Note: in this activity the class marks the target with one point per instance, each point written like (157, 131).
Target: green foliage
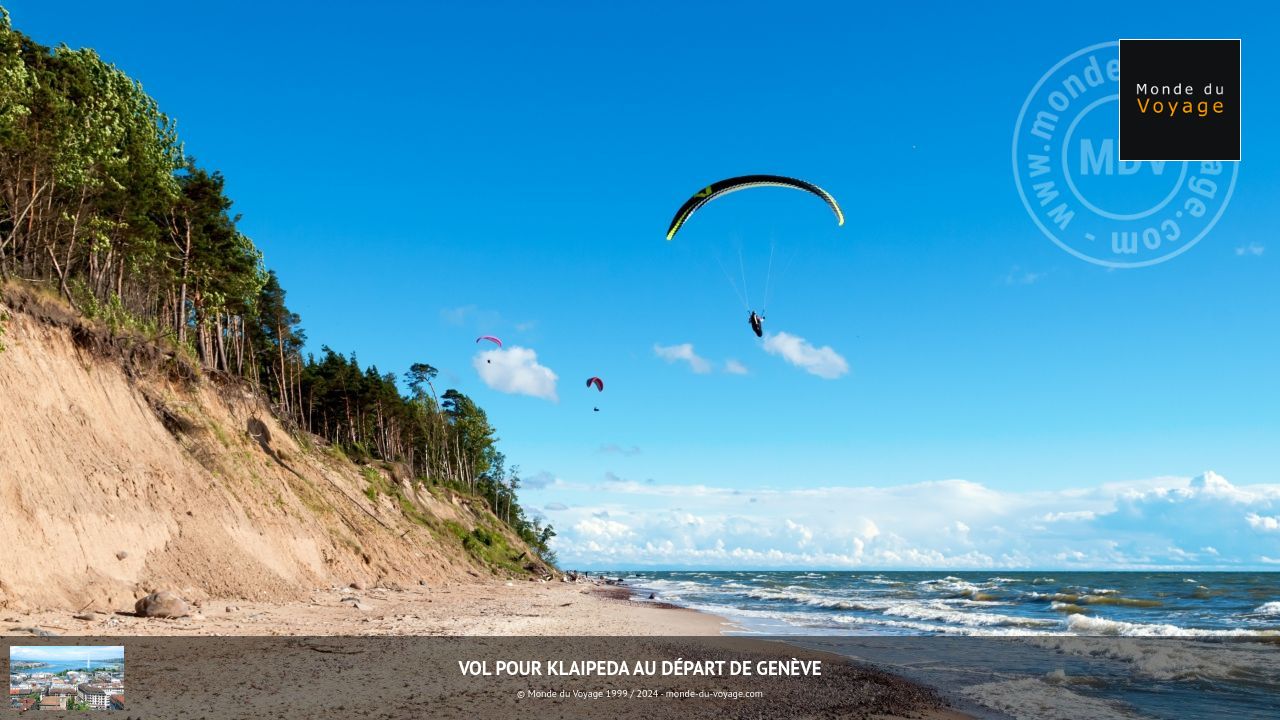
(99, 200)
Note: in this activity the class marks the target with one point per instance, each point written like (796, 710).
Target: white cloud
(1253, 249)
(470, 315)
(1019, 276)
(602, 528)
(515, 370)
(1068, 516)
(955, 524)
(823, 362)
(684, 353)
(64, 653)
(541, 480)
(733, 367)
(1260, 522)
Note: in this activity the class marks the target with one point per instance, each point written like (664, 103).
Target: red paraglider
(597, 382)
(491, 339)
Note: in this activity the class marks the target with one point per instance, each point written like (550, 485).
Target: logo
(1101, 209)
(1180, 100)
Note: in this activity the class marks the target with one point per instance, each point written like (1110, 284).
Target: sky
(422, 175)
(66, 653)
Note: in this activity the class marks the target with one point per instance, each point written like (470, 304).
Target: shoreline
(481, 608)
(584, 613)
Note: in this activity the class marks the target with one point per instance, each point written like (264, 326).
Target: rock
(359, 585)
(90, 616)
(233, 608)
(162, 604)
(423, 583)
(653, 596)
(122, 555)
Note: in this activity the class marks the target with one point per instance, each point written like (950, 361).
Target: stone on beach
(162, 604)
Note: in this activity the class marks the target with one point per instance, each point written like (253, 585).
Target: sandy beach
(502, 608)
(313, 641)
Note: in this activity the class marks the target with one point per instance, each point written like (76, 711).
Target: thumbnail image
(66, 677)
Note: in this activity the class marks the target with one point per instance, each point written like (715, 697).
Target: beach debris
(423, 583)
(37, 631)
(336, 649)
(88, 616)
(356, 603)
(122, 555)
(162, 604)
(233, 608)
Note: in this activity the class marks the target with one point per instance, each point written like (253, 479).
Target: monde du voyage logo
(1169, 185)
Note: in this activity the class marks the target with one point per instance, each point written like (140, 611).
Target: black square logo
(1179, 99)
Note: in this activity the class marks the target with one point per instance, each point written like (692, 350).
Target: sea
(57, 666)
(1024, 645)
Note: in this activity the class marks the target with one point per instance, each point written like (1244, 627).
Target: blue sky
(65, 653)
(420, 175)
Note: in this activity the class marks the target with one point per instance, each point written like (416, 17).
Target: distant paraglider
(491, 339)
(724, 187)
(598, 384)
(757, 324)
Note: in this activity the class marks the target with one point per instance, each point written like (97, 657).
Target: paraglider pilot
(757, 324)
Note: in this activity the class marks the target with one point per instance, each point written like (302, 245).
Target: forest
(101, 203)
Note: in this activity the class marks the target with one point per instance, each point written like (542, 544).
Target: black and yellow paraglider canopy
(724, 187)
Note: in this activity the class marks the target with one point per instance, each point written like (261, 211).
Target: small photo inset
(66, 677)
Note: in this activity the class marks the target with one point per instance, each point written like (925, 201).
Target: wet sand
(377, 644)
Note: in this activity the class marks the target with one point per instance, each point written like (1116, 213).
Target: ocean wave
(940, 612)
(1034, 699)
(794, 594)
(1087, 625)
(957, 587)
(881, 580)
(1242, 662)
(925, 628)
(1271, 608)
(1117, 600)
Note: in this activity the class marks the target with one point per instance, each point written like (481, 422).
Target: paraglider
(491, 339)
(724, 187)
(598, 384)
